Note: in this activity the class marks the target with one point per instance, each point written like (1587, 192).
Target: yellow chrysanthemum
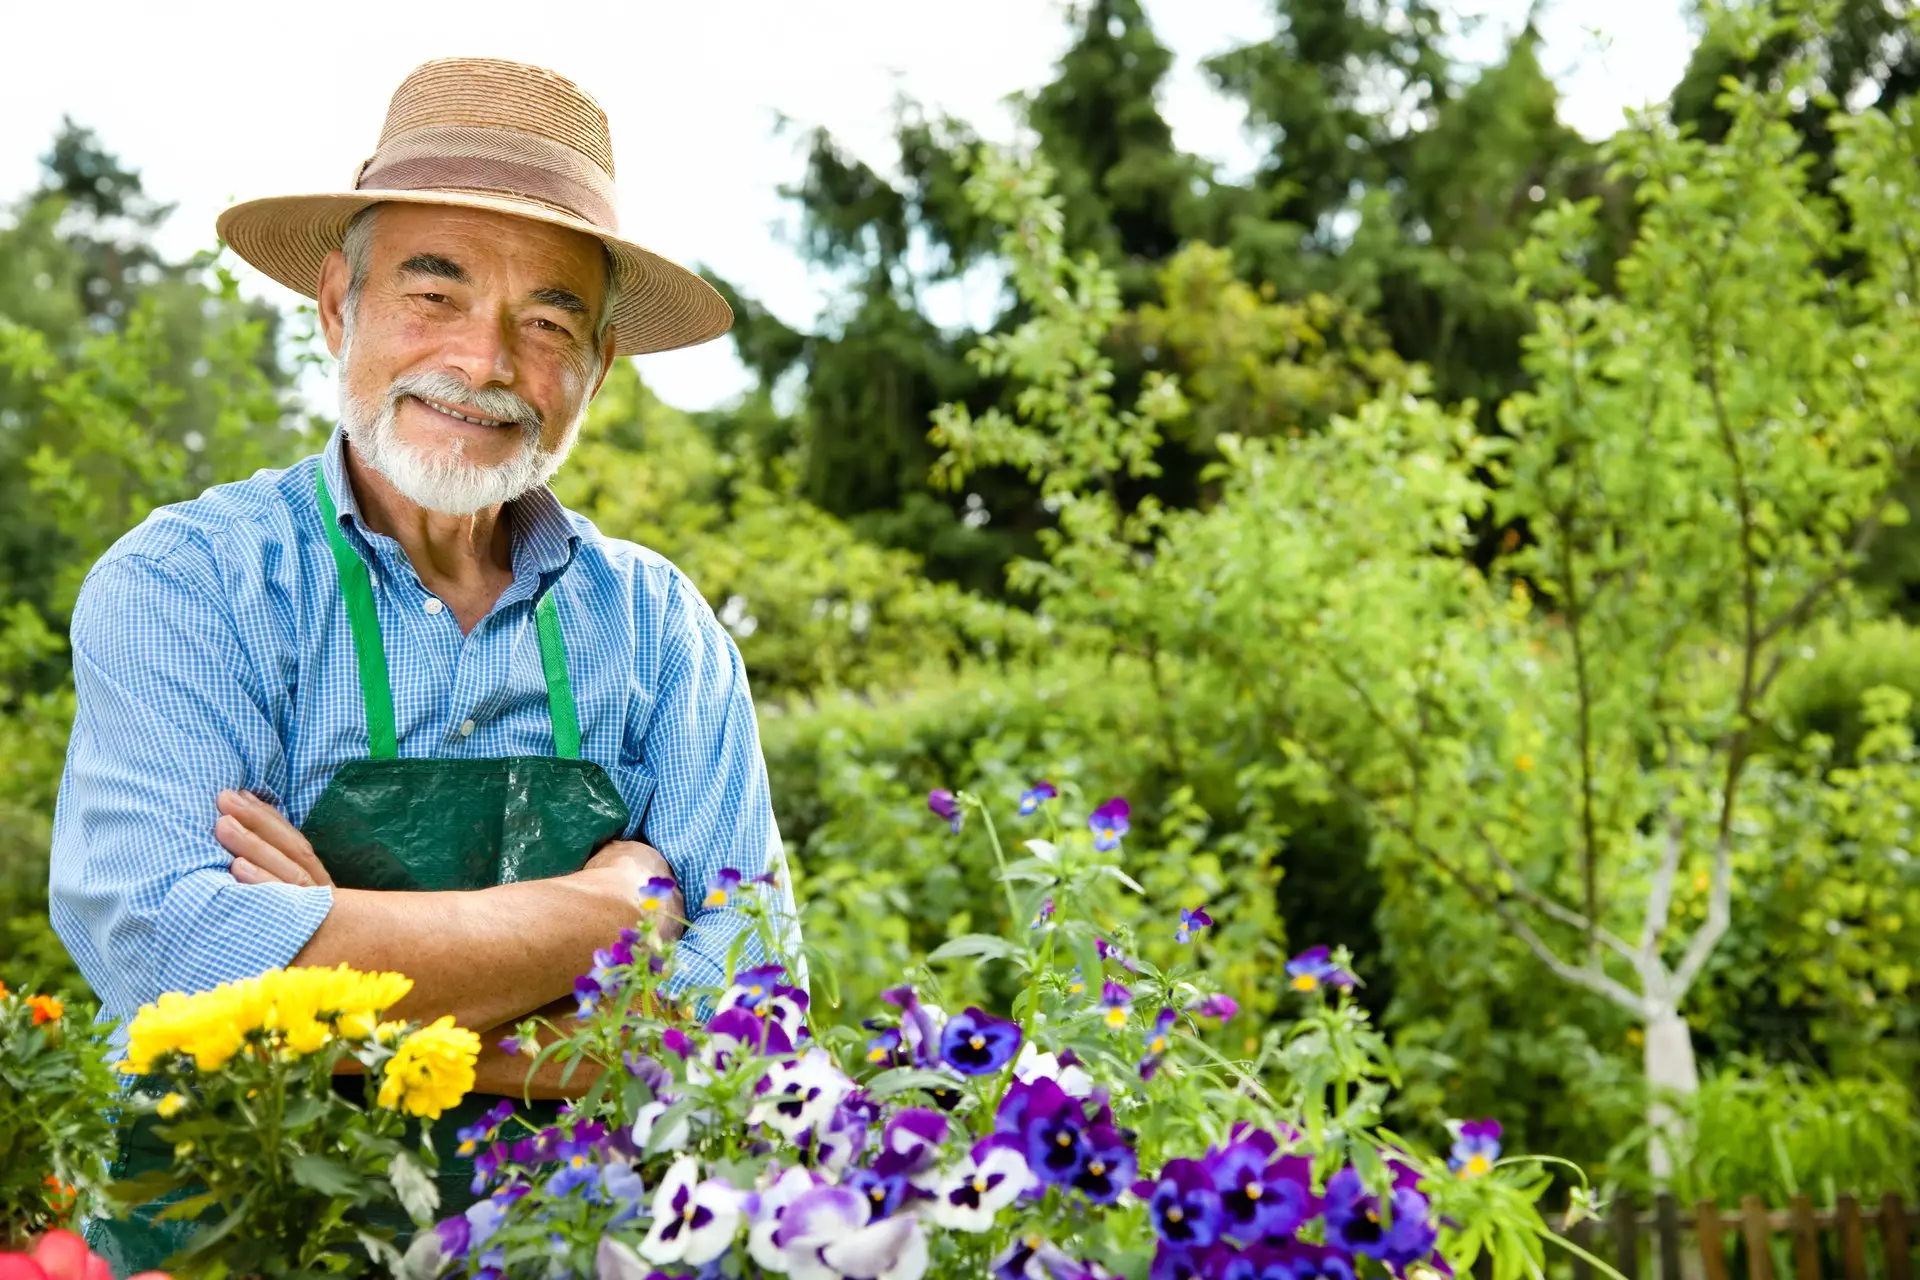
(297, 1010)
(431, 1070)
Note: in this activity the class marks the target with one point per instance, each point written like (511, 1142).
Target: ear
(332, 299)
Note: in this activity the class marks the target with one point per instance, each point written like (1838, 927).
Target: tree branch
(1548, 907)
(1660, 896)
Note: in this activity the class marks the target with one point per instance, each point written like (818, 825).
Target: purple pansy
(1475, 1148)
(916, 1026)
(1159, 1037)
(943, 804)
(885, 1048)
(1108, 823)
(1261, 1195)
(1043, 915)
(1116, 1000)
(1190, 923)
(1354, 1221)
(976, 1043)
(1108, 1166)
(1035, 796)
(885, 1190)
(1314, 968)
(1218, 1005)
(1110, 952)
(726, 883)
(1185, 1206)
(657, 894)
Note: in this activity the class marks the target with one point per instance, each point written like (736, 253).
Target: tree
(1568, 743)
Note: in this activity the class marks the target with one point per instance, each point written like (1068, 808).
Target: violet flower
(1314, 968)
(1184, 1205)
(1261, 1195)
(1109, 823)
(1035, 796)
(1159, 1038)
(1110, 952)
(1354, 1221)
(976, 1043)
(726, 883)
(1116, 1000)
(1476, 1146)
(1109, 1166)
(693, 1221)
(975, 1190)
(657, 894)
(795, 1096)
(1190, 923)
(1218, 1005)
(943, 804)
(917, 1026)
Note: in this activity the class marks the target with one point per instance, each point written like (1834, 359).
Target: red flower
(62, 1255)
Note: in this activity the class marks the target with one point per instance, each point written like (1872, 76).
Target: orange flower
(59, 1194)
(45, 1009)
(3, 991)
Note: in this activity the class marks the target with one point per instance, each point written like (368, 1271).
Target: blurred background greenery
(1373, 251)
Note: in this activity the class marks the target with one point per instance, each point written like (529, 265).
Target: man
(395, 707)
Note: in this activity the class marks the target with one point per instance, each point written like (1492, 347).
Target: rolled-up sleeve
(711, 808)
(167, 716)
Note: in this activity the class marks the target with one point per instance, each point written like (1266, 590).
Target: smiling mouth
(452, 412)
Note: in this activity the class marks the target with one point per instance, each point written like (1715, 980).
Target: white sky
(216, 100)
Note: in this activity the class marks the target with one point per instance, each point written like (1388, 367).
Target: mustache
(491, 402)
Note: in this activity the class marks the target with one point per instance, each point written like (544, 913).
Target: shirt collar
(544, 540)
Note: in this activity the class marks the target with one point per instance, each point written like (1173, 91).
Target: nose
(481, 350)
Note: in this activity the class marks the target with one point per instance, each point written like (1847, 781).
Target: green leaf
(302, 1112)
(418, 1193)
(901, 1079)
(382, 1250)
(984, 945)
(145, 1188)
(328, 1177)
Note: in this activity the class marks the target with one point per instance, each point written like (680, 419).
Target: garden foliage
(1463, 542)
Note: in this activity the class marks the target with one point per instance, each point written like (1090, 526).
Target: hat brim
(663, 306)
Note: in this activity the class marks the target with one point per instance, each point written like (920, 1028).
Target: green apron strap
(356, 588)
(553, 657)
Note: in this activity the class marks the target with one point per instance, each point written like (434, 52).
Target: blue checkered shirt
(211, 650)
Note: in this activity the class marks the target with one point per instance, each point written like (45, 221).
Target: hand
(266, 848)
(630, 864)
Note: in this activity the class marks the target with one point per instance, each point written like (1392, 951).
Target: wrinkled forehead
(489, 249)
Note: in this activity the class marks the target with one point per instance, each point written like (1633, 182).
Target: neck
(446, 551)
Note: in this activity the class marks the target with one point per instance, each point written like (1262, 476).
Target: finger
(268, 823)
(237, 840)
(246, 873)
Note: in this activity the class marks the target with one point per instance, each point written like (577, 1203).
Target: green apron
(417, 824)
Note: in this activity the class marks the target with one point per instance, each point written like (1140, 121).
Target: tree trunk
(1670, 1073)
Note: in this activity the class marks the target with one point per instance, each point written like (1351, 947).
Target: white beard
(445, 481)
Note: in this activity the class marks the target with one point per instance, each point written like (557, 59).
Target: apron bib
(424, 825)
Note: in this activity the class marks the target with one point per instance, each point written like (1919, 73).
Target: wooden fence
(1847, 1242)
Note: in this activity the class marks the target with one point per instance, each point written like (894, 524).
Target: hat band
(503, 162)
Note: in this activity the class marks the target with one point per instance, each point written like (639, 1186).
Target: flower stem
(1000, 860)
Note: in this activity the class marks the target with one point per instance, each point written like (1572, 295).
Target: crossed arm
(488, 957)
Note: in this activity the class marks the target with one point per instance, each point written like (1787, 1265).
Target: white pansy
(1034, 1065)
(693, 1221)
(972, 1193)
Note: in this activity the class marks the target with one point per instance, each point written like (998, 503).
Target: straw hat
(482, 133)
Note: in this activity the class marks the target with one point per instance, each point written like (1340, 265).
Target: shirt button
(433, 604)
(466, 727)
